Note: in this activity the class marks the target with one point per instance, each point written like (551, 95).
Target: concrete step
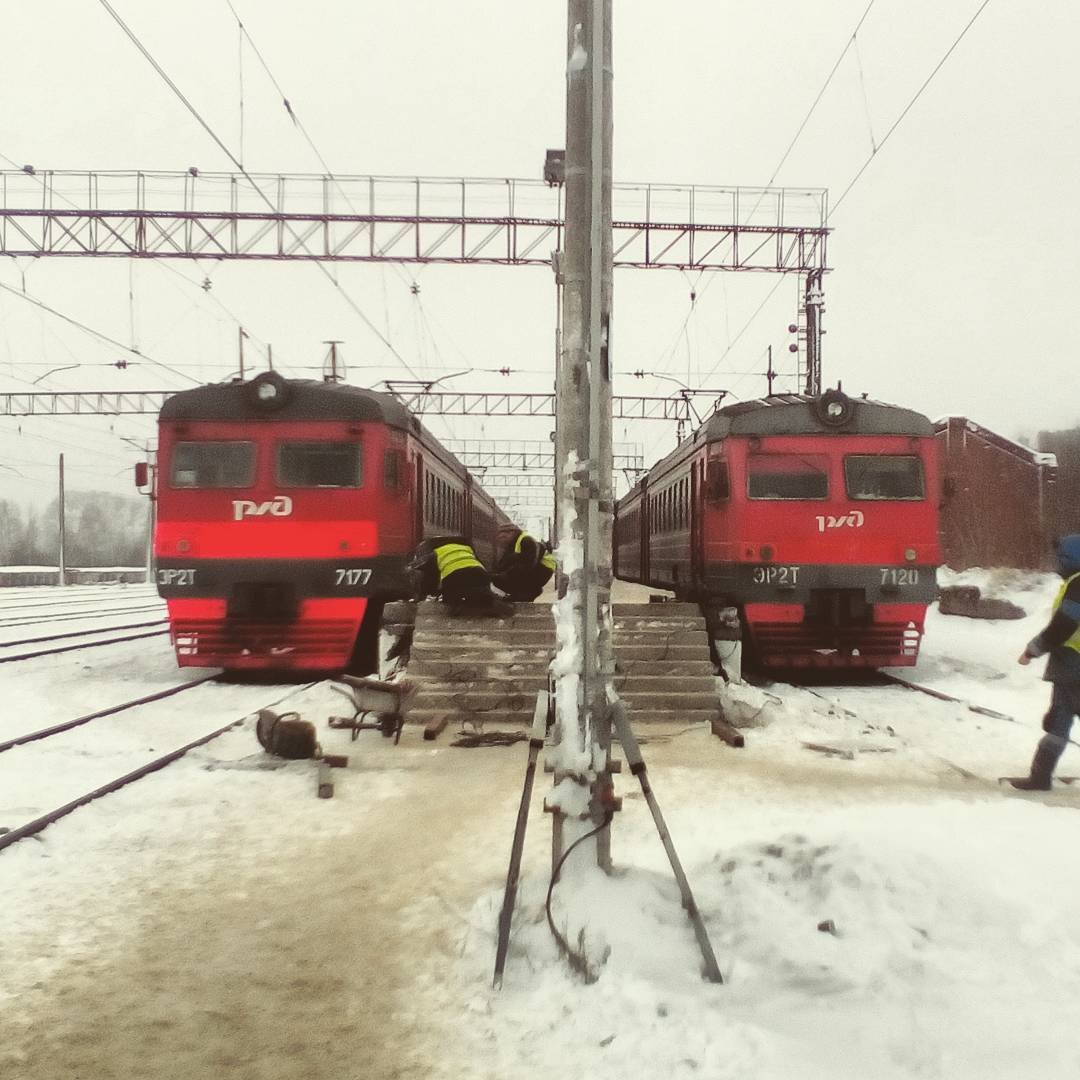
(655, 610)
(481, 669)
(473, 682)
(497, 636)
(523, 718)
(485, 697)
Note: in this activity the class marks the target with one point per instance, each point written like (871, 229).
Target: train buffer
(474, 670)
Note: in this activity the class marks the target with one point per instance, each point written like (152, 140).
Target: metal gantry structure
(133, 402)
(418, 219)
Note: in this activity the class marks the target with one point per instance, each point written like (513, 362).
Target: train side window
(717, 482)
(880, 477)
(787, 476)
(320, 464)
(392, 469)
(212, 465)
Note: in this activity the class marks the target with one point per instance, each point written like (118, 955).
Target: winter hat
(1068, 553)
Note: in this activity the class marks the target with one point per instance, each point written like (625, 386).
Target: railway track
(840, 699)
(10, 836)
(112, 710)
(80, 633)
(92, 613)
(9, 658)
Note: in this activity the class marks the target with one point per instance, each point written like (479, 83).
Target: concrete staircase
(477, 670)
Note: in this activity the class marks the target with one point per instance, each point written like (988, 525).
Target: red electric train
(287, 512)
(813, 519)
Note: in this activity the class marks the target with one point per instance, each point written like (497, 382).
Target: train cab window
(319, 464)
(212, 465)
(787, 476)
(884, 477)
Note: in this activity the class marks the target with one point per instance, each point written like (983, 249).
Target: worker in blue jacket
(1060, 640)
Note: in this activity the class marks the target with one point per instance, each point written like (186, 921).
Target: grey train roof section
(797, 414)
(306, 399)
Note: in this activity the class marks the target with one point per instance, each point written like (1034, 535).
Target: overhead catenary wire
(411, 282)
(876, 146)
(175, 272)
(243, 172)
(907, 108)
(95, 332)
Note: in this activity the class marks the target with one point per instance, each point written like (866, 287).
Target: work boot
(1042, 767)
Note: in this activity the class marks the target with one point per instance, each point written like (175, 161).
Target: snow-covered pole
(583, 665)
(61, 555)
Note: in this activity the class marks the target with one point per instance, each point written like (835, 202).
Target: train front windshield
(212, 465)
(320, 465)
(883, 477)
(787, 476)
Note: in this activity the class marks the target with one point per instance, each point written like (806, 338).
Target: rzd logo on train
(278, 506)
(854, 520)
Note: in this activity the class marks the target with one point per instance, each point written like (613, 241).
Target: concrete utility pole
(61, 567)
(583, 664)
(815, 305)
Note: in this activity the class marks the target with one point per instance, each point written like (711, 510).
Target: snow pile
(868, 944)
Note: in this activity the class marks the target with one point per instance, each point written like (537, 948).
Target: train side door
(645, 530)
(696, 551)
(418, 500)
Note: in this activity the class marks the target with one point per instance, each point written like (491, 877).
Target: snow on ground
(218, 919)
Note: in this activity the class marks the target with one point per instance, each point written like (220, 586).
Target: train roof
(303, 399)
(801, 414)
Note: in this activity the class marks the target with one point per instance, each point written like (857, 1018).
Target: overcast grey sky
(955, 265)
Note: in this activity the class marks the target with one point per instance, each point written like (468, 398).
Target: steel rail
(42, 822)
(37, 620)
(67, 725)
(81, 633)
(83, 645)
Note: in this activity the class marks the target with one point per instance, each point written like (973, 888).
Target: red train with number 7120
(808, 523)
(287, 512)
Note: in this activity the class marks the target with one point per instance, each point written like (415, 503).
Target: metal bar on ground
(506, 915)
(637, 767)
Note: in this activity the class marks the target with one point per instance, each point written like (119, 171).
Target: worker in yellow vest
(447, 566)
(524, 565)
(1060, 638)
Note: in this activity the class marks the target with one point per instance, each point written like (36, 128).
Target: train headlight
(834, 408)
(268, 391)
(910, 554)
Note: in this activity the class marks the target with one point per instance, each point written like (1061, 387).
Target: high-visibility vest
(450, 558)
(1074, 641)
(547, 559)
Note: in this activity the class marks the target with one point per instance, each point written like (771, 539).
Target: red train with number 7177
(287, 512)
(809, 525)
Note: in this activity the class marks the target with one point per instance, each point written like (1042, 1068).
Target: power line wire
(96, 333)
(910, 104)
(243, 172)
(166, 266)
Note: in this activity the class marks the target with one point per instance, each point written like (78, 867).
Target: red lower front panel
(320, 638)
(782, 638)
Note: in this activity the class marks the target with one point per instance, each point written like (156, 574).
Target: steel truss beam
(528, 454)
(542, 460)
(625, 407)
(108, 403)
(186, 215)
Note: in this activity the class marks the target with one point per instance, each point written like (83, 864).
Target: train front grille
(808, 644)
(217, 642)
